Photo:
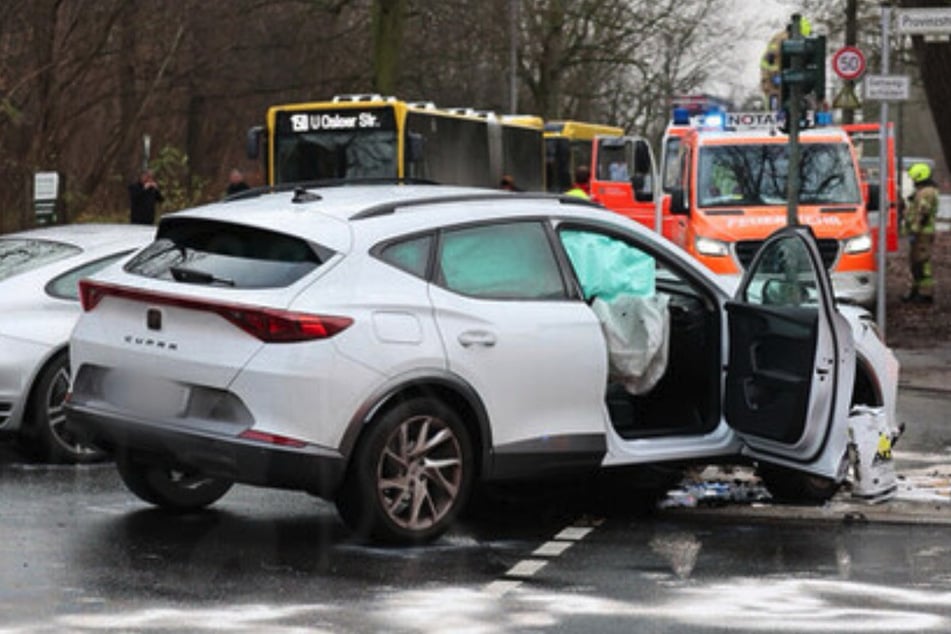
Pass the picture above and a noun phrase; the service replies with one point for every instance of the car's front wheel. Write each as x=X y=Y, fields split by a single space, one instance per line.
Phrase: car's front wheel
x=47 y=435
x=410 y=474
x=170 y=488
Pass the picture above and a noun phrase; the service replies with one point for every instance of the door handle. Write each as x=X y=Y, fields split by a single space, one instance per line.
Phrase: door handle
x=477 y=338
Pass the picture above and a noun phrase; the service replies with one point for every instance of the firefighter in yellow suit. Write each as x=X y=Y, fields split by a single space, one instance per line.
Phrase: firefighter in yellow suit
x=918 y=223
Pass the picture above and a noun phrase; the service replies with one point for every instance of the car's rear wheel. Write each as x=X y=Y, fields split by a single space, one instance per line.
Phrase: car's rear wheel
x=788 y=485
x=47 y=435
x=410 y=474
x=170 y=488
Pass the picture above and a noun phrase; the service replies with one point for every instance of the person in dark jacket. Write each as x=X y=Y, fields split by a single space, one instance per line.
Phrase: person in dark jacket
x=236 y=183
x=144 y=194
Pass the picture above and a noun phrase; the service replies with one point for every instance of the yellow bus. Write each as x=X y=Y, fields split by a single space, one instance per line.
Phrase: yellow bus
x=364 y=137
x=569 y=144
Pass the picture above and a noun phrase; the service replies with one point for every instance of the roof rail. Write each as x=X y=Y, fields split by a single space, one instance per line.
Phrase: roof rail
x=391 y=207
x=425 y=105
x=295 y=186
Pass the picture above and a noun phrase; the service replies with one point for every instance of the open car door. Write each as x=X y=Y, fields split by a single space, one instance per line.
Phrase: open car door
x=791 y=359
x=623 y=177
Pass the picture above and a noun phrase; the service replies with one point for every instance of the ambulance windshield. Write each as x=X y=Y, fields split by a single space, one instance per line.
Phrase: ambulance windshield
x=756 y=174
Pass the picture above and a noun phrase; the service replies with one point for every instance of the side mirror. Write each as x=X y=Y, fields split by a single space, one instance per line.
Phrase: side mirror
x=778 y=292
x=253 y=142
x=678 y=202
x=873 y=203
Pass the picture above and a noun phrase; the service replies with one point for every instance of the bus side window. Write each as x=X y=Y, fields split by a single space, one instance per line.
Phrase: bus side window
x=414 y=147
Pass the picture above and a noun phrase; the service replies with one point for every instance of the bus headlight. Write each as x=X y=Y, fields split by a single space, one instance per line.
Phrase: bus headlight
x=858 y=244
x=709 y=246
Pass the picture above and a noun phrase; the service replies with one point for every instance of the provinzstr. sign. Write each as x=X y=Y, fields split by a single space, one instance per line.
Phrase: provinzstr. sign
x=936 y=21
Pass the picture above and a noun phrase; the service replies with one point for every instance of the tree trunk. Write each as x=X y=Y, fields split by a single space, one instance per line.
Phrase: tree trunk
x=548 y=95
x=388 y=19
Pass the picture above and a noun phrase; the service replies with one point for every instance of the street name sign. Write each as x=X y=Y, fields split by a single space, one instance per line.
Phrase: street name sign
x=924 y=21
x=887 y=87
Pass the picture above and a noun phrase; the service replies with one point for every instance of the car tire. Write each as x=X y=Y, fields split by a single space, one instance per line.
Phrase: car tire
x=170 y=488
x=796 y=487
x=396 y=493
x=46 y=435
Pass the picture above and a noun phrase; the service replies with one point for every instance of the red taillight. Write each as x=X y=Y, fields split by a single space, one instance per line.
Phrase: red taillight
x=271 y=439
x=269 y=325
x=90 y=294
x=280 y=327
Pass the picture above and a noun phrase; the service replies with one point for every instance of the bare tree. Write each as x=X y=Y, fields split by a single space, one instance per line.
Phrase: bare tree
x=81 y=82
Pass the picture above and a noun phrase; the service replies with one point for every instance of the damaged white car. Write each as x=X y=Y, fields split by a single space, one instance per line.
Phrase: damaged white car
x=387 y=346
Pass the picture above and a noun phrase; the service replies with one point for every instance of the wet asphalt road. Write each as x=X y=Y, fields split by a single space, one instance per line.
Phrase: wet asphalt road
x=78 y=553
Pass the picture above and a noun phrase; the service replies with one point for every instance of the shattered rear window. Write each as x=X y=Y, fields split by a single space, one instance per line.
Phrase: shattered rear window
x=225 y=254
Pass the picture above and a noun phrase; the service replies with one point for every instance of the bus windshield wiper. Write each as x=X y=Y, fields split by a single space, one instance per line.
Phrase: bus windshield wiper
x=193 y=276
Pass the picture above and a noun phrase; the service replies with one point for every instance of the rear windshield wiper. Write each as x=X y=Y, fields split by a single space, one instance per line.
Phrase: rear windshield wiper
x=193 y=276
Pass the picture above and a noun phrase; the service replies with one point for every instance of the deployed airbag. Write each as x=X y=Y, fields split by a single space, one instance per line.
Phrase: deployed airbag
x=608 y=268
x=637 y=331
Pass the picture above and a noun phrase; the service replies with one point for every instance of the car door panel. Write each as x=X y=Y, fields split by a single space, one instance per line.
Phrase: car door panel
x=772 y=356
x=791 y=359
x=533 y=353
x=540 y=367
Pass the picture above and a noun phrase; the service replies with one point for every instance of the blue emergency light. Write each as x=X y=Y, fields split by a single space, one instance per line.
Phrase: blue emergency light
x=681 y=116
x=714 y=119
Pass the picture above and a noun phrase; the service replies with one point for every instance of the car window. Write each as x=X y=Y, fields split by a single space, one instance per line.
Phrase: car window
x=784 y=276
x=673 y=165
x=607 y=267
x=410 y=255
x=501 y=261
x=66 y=286
x=220 y=253
x=19 y=255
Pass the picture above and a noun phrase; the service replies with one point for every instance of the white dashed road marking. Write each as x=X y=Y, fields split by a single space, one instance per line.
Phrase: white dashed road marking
x=550 y=550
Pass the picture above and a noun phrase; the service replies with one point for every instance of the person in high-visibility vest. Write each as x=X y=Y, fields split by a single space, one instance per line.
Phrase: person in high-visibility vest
x=919 y=224
x=769 y=65
x=582 y=185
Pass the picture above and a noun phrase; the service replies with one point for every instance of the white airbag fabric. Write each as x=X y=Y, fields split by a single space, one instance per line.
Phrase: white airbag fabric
x=637 y=332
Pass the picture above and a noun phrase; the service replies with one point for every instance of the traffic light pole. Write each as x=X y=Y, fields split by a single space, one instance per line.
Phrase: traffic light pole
x=794 y=112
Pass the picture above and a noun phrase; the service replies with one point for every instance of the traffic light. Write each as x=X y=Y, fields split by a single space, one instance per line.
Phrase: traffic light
x=809 y=73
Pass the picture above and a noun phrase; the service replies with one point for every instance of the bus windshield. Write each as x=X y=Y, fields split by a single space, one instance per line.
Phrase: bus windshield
x=753 y=174
x=338 y=144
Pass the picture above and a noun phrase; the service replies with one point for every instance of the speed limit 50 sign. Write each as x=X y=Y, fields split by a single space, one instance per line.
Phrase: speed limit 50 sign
x=848 y=63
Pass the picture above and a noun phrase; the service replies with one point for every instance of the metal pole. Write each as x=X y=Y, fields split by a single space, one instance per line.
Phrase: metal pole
x=793 y=112
x=146 y=151
x=851 y=37
x=883 y=179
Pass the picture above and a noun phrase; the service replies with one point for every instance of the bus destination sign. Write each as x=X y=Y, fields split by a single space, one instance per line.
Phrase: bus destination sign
x=338 y=120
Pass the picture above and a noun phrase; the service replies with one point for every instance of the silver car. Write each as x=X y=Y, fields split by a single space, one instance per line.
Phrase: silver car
x=390 y=347
x=39 y=272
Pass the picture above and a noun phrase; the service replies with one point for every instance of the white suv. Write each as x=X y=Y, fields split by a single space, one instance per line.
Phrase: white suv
x=386 y=346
